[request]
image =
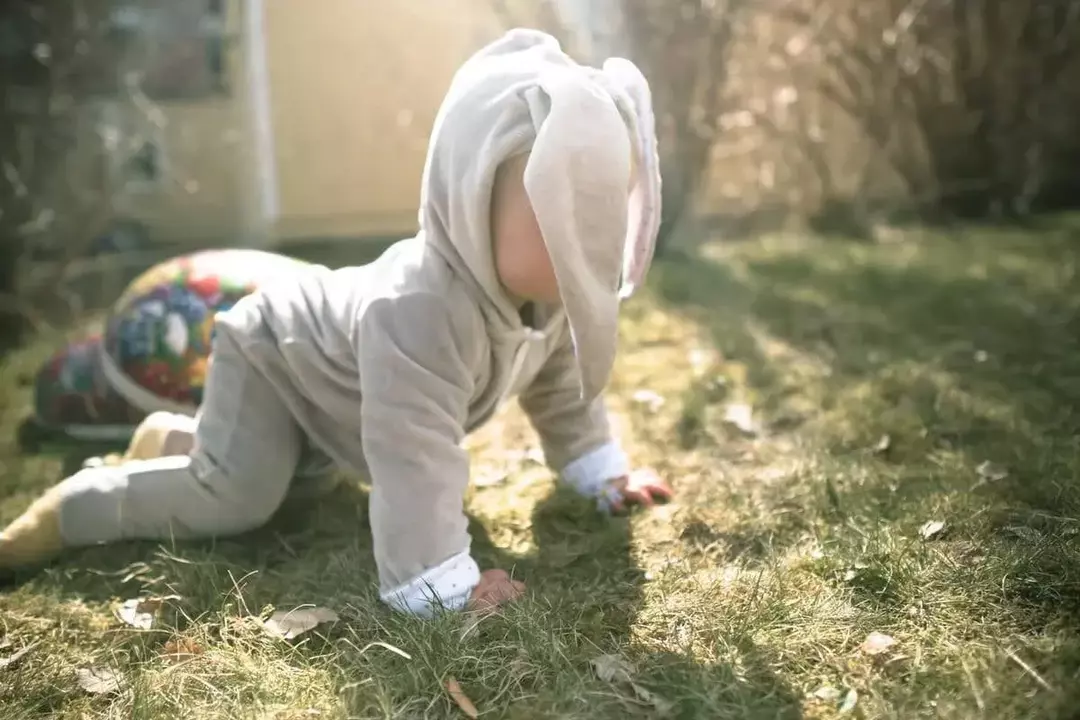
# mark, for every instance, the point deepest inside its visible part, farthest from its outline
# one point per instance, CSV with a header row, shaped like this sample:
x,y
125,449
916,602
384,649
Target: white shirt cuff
x,y
591,472
445,586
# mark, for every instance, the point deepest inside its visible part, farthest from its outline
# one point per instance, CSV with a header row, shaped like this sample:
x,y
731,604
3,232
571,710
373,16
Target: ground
x,y
930,378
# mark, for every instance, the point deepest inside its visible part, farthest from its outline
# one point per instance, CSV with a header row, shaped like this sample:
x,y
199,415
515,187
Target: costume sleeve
x,y
416,381
575,433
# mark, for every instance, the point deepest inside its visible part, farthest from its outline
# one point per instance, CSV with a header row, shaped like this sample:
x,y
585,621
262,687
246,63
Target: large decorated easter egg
x,y
154,348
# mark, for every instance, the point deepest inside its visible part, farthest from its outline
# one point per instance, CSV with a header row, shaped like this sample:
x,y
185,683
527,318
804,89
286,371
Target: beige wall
x,y
205,194
354,91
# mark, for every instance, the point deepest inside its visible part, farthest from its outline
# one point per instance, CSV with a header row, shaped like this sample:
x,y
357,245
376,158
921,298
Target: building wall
x,y
354,91
335,145
205,191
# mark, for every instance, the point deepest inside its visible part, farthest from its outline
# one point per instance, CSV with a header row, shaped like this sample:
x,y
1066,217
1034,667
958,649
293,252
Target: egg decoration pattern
x,y
154,352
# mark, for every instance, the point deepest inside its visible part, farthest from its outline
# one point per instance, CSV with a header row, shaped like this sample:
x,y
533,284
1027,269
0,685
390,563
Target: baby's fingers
x,y
661,489
638,496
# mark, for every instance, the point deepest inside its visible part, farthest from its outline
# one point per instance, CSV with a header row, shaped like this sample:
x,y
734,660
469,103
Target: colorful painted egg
x,y
154,350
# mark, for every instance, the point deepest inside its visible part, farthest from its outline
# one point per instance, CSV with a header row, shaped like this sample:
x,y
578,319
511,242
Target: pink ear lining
x,y
644,222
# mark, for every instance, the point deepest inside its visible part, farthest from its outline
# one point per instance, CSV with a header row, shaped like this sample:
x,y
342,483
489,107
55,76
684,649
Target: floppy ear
x,y
645,197
576,179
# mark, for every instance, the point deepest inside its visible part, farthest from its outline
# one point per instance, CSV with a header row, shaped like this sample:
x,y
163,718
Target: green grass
x,y
749,597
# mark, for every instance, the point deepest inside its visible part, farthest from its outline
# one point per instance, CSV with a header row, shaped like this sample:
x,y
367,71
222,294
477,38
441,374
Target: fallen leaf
x,y
98,680
179,649
648,398
883,444
1025,533
293,623
990,472
17,655
741,416
140,612
876,643
931,529
612,668
850,699
827,694
460,698
662,706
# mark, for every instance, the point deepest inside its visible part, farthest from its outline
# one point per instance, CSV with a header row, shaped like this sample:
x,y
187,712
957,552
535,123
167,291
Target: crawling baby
x,y
539,211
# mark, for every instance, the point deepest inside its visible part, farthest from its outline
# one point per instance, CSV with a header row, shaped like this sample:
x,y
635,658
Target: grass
x,y
935,378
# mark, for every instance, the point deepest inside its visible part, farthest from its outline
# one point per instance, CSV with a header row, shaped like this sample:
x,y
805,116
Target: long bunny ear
x,y
645,198
576,179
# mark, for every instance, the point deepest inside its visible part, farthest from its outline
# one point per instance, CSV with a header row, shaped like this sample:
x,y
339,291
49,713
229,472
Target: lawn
x,y
876,450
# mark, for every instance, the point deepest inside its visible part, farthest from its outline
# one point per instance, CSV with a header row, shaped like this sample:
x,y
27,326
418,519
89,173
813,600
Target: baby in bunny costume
x,y
539,211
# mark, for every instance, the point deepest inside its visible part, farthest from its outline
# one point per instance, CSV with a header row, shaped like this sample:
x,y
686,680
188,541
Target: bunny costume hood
x,y
585,130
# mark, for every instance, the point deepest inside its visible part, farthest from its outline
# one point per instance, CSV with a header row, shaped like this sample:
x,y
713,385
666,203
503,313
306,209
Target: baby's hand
x,y
495,588
641,487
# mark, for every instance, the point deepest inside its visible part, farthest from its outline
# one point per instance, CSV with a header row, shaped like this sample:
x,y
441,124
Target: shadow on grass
x,y
581,574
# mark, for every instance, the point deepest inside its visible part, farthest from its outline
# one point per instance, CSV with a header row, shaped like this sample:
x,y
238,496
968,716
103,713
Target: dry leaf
x,y
612,668
615,669
876,643
990,472
653,401
850,699
140,612
460,698
662,706
98,681
741,416
931,528
1025,533
179,649
293,623
17,655
827,694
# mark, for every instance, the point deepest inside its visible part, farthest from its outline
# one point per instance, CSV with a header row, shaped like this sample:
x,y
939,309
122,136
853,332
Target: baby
x,y
539,210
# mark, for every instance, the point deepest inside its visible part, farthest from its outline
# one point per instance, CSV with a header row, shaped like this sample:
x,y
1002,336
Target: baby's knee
x,y
243,501
162,434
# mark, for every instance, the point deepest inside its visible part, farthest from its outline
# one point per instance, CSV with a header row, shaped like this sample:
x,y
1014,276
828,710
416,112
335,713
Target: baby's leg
x,y
245,453
160,434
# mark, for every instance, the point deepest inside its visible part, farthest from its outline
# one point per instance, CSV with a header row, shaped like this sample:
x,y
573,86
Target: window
x,y
144,166
135,147
166,49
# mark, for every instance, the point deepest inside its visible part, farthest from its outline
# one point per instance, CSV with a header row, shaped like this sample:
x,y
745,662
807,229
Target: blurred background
x,y
133,130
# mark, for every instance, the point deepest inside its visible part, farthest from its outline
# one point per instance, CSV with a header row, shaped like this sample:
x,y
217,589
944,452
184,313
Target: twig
x,y
1029,670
